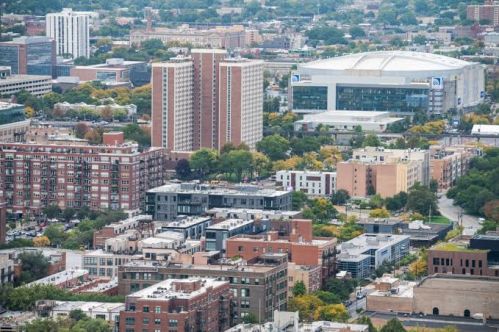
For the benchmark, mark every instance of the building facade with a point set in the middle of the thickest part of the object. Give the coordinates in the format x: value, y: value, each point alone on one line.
x: 196, y: 304
x: 172, y: 101
x: 314, y: 183
x: 447, y: 164
x: 395, y: 81
x: 172, y: 199
x: 70, y: 30
x: 258, y: 289
x: 29, y: 55
x: 206, y: 100
x: 489, y: 12
x: 37, y: 85
x: 100, y: 177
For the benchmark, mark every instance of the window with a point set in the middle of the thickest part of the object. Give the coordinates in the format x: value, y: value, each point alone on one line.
x: 310, y: 97
x: 173, y: 322
x: 145, y: 321
x: 157, y: 310
x: 145, y: 309
x: 435, y: 261
x: 157, y: 321
x: 245, y: 292
x: 130, y: 321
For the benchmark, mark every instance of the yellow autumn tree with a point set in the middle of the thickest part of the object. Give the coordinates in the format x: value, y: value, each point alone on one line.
x: 41, y: 241
x: 332, y: 312
x: 290, y: 163
x: 379, y: 213
x: 29, y: 112
x: 420, y: 266
x: 306, y: 305
x: 330, y: 156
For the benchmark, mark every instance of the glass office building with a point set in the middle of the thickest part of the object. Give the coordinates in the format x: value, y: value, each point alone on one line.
x: 29, y: 55
x: 39, y: 58
x: 397, y: 100
x: 310, y: 98
x: 9, y: 56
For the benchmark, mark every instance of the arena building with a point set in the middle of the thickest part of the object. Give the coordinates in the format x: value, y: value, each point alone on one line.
x: 396, y: 81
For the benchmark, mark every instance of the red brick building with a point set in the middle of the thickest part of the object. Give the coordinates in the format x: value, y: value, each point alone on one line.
x: 296, y: 240
x: 101, y: 177
x: 179, y: 304
x: 451, y: 258
x: 489, y: 11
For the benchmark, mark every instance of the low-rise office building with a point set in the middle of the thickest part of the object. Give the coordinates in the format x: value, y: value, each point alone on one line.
x: 362, y: 255
x: 189, y: 227
x: 198, y: 304
x: 100, y: 263
x: 253, y: 214
x: 313, y: 183
x: 37, y: 85
x: 259, y: 288
x: 172, y: 199
x: 346, y: 121
x: 217, y: 234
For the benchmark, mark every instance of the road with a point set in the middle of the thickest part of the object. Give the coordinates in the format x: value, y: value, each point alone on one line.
x: 470, y: 223
x: 463, y: 325
x: 356, y: 304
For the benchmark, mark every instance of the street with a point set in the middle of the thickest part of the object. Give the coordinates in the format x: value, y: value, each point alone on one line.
x: 470, y: 223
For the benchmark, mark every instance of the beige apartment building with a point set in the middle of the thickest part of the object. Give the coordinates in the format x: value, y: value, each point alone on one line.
x: 383, y: 171
x: 172, y: 98
x: 448, y: 164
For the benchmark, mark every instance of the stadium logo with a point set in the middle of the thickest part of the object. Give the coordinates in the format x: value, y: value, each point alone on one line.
x: 437, y: 83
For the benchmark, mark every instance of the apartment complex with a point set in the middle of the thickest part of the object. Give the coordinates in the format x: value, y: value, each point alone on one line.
x: 383, y: 171
x: 259, y: 288
x: 314, y: 183
x: 172, y: 199
x: 37, y: 85
x: 362, y: 255
x: 100, y: 177
x: 118, y: 228
x: 206, y: 100
x: 194, y: 304
x: 172, y: 100
x: 29, y: 55
x: 218, y: 37
x: 447, y: 164
x: 240, y: 102
x: 296, y: 241
x: 70, y: 30
x: 489, y: 12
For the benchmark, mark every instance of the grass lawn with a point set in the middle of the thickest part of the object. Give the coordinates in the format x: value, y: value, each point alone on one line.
x: 439, y: 220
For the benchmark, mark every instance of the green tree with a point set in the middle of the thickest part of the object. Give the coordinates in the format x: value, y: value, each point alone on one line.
x: 340, y: 197
x: 371, y: 140
x: 376, y: 202
x: 433, y: 185
x: 327, y: 297
x: 34, y: 266
x: 52, y: 211
x: 422, y: 200
x: 238, y: 161
x: 299, y: 288
x: 299, y: 199
x: 56, y: 234
x: 367, y: 321
x: 134, y: 132
x: 274, y: 146
x: 204, y: 162
x: 68, y: 214
x: 357, y: 32
x: 393, y: 325
x: 250, y: 318
x: 183, y: 169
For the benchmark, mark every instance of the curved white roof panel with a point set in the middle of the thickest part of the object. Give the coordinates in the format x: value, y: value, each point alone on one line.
x: 389, y: 61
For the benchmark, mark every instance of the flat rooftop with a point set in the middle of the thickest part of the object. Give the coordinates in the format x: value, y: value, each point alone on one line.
x: 59, y: 278
x: 449, y: 246
x: 187, y: 222
x: 230, y: 224
x: 171, y: 289
x: 365, y: 242
x: 23, y: 78
x: 257, y: 213
x: 237, y: 190
x: 404, y: 290
x: 67, y: 306
x: 380, y: 221
x: 255, y: 268
x: 7, y: 106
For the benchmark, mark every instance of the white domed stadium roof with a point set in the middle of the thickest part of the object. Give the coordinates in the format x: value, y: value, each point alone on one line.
x: 389, y: 61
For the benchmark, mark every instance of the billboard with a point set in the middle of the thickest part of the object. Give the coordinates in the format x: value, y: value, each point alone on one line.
x: 437, y: 83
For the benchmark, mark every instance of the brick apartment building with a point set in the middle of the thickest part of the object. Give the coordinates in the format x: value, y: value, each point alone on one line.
x: 196, y: 304
x: 488, y: 11
x: 117, y: 228
x: 292, y: 237
x: 101, y: 177
x: 481, y: 257
x: 206, y: 100
x: 259, y: 288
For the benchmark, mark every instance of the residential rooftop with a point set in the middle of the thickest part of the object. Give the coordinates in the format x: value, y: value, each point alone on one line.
x: 230, y: 224
x: 449, y: 246
x: 236, y: 190
x: 172, y: 289
x: 60, y: 278
x: 186, y: 222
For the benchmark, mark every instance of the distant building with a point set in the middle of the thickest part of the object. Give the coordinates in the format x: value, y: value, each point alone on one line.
x: 344, y: 121
x: 6, y: 269
x: 218, y: 37
x: 392, y: 81
x: 391, y: 294
x: 114, y: 72
x: 313, y: 183
x: 481, y: 129
x: 447, y: 164
x: 117, y: 228
x: 70, y: 30
x: 100, y: 263
x: 217, y: 234
x: 29, y: 55
x: 253, y: 214
x: 189, y: 227
x: 37, y: 85
x: 310, y: 275
x: 383, y: 171
x: 489, y: 11
x: 65, y: 279
x: 172, y: 199
x: 362, y: 255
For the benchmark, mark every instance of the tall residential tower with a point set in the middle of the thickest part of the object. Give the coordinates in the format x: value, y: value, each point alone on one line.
x: 70, y: 31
